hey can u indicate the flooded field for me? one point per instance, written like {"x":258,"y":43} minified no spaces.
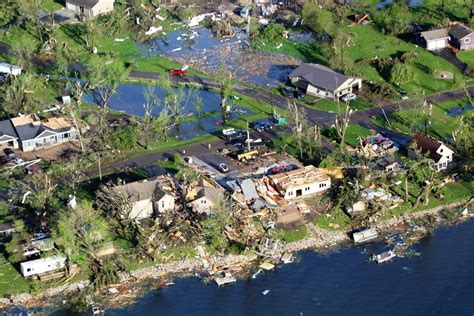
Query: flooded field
{"x":200,"y":49}
{"x":130,"y":99}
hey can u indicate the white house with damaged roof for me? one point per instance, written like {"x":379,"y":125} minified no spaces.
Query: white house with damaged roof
{"x":436,"y":150}
{"x":301,"y":182}
{"x":90,"y":8}
{"x":204,"y":197}
{"x":146,"y":198}
{"x":30,"y":133}
{"x":321,"y":81}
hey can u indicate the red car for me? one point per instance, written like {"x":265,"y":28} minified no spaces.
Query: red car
{"x":277,"y":169}
{"x":178,"y":72}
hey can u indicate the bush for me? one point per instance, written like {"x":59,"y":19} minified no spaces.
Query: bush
{"x":408,"y":57}
{"x":401,"y":73}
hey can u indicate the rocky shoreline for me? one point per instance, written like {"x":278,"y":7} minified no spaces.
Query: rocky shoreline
{"x":320,"y":239}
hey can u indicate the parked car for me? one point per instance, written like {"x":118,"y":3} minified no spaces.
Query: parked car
{"x":9,"y":152}
{"x":178,"y":72}
{"x":349,"y":97}
{"x":262,"y":126}
{"x":223,"y":167}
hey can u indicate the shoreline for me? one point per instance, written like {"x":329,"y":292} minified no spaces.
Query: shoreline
{"x":325,"y":240}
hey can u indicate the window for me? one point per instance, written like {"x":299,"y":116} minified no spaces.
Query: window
{"x":163,"y":204}
{"x":441,"y":150}
{"x":28,"y":270}
{"x":467,"y":40}
{"x":307,"y":188}
{"x":322,"y":185}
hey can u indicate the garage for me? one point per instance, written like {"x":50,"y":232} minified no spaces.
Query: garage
{"x":435,"y":39}
{"x":436,"y":44}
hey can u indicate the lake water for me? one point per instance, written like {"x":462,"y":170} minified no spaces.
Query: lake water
{"x":411,"y":3}
{"x":438,"y":282}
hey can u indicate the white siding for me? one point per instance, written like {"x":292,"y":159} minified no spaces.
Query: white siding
{"x":142,"y":209}
{"x":308,"y":189}
{"x":166,"y":203}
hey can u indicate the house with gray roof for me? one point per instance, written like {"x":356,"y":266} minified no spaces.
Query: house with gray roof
{"x":462,"y":37}
{"x":8,"y":137}
{"x":321,"y":81}
{"x":90,"y":8}
{"x":30,"y":133}
{"x":435,"y":39}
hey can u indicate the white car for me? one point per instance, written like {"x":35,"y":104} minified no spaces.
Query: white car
{"x":349,"y":97}
{"x":223,"y":167}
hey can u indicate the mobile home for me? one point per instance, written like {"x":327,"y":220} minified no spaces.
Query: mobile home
{"x":43,"y":265}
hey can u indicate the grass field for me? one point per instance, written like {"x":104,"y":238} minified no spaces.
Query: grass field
{"x":292,"y":234}
{"x":467,"y":57}
{"x":369,"y":43}
{"x":442,"y":125}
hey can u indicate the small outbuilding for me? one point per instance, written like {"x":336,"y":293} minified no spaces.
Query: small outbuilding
{"x":437,"y":151}
{"x":42,"y":266}
{"x":6,"y":230}
{"x":435,"y":39}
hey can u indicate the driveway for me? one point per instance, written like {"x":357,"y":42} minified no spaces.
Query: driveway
{"x":451,"y":57}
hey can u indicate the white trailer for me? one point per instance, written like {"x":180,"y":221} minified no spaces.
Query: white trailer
{"x":10,"y":69}
{"x":43,"y":265}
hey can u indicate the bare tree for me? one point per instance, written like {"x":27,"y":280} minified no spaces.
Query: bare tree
{"x":342,"y":122}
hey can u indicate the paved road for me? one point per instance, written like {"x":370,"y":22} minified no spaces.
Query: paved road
{"x":363,"y":118}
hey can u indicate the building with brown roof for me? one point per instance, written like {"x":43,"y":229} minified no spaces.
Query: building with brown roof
{"x":436,"y":150}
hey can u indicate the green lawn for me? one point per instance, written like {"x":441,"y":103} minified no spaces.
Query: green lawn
{"x":292,"y":234}
{"x":328,"y":105}
{"x":353,"y":133}
{"x":337,"y":217}
{"x":369,"y":43}
{"x":442,"y":125}
{"x":453,"y":192}
{"x":467,"y":57}
{"x":11,"y":280}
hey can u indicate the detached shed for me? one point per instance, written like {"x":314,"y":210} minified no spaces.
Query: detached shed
{"x":43,"y":265}
{"x":90,"y":8}
{"x":435,"y":39}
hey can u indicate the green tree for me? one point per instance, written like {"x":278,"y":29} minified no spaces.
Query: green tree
{"x":273,"y":32}
{"x":122,"y":138}
{"x":394,"y":19}
{"x":319,"y":20}
{"x":80,"y":232}
{"x":19,"y":94}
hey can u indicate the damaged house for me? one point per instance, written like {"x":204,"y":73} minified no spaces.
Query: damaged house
{"x":146,"y":198}
{"x":300,"y":182}
{"x":436,"y":150}
{"x":204,"y":197}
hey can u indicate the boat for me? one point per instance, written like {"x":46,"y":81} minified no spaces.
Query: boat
{"x":384,"y":256}
{"x":266,"y":292}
